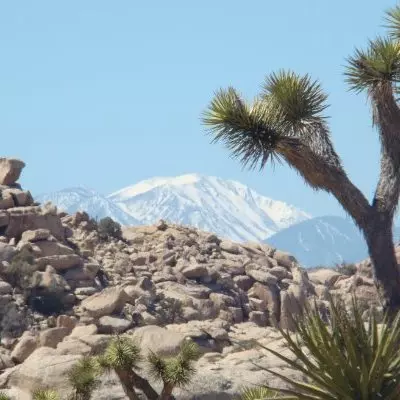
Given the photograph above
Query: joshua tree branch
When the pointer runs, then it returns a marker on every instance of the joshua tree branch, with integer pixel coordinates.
(320, 173)
(387, 118)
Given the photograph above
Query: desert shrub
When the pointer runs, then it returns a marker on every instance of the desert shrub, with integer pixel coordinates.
(108, 228)
(83, 377)
(168, 310)
(20, 271)
(45, 394)
(3, 396)
(343, 358)
(348, 269)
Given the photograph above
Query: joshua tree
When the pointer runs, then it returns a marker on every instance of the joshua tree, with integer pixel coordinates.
(287, 122)
(123, 356)
(83, 377)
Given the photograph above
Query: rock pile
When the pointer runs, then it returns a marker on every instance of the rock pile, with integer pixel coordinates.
(161, 284)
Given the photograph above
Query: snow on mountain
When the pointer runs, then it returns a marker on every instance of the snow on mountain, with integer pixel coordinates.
(323, 241)
(227, 208)
(76, 199)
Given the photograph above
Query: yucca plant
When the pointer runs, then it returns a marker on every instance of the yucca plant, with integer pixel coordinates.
(259, 393)
(123, 355)
(287, 122)
(3, 396)
(175, 371)
(83, 377)
(346, 358)
(45, 394)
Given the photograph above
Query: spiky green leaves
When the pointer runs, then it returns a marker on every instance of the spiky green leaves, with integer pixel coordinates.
(3, 396)
(249, 132)
(258, 393)
(393, 22)
(178, 370)
(344, 359)
(45, 394)
(83, 377)
(301, 99)
(121, 353)
(289, 104)
(377, 65)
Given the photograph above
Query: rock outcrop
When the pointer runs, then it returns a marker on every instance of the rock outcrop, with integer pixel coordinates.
(160, 284)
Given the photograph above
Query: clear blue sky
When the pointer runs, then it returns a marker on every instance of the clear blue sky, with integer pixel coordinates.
(106, 93)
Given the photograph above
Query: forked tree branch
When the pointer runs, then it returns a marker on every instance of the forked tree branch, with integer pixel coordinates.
(386, 114)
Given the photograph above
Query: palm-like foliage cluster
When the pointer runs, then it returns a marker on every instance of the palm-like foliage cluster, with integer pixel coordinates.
(345, 358)
(175, 371)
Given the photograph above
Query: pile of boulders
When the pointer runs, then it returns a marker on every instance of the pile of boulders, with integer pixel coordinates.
(161, 284)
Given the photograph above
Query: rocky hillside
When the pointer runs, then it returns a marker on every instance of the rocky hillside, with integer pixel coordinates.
(65, 289)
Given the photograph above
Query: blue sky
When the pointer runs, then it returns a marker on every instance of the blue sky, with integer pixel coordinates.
(105, 93)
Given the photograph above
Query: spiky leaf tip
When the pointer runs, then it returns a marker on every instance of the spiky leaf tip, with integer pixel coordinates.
(250, 132)
(378, 64)
(301, 99)
(122, 352)
(45, 394)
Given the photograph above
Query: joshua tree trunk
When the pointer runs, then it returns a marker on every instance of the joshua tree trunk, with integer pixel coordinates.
(379, 238)
(166, 393)
(126, 383)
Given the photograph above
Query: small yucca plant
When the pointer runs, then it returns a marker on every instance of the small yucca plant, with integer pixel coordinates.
(83, 377)
(3, 396)
(344, 359)
(44, 394)
(175, 371)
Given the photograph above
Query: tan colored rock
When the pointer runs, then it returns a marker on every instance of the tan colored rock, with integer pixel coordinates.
(61, 262)
(21, 198)
(25, 347)
(45, 367)
(52, 248)
(83, 330)
(324, 276)
(51, 337)
(73, 347)
(32, 218)
(6, 201)
(284, 259)
(66, 321)
(158, 340)
(50, 280)
(36, 235)
(4, 218)
(10, 170)
(271, 297)
(107, 302)
(195, 271)
(113, 325)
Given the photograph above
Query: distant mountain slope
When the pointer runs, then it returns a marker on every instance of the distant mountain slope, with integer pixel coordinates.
(323, 241)
(84, 199)
(227, 208)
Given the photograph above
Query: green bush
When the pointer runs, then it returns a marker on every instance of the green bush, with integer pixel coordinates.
(20, 271)
(348, 269)
(108, 228)
(344, 358)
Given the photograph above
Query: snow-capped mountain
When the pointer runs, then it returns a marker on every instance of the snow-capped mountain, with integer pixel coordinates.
(323, 241)
(84, 199)
(228, 208)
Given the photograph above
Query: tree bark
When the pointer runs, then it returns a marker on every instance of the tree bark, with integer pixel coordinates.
(166, 393)
(379, 238)
(126, 383)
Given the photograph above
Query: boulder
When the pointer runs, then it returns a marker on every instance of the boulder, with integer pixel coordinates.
(195, 271)
(52, 248)
(10, 170)
(36, 235)
(107, 302)
(49, 280)
(159, 340)
(83, 330)
(284, 259)
(51, 337)
(324, 276)
(45, 367)
(32, 218)
(61, 262)
(7, 252)
(114, 325)
(25, 347)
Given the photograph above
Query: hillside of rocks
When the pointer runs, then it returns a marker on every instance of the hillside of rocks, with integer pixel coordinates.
(65, 290)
